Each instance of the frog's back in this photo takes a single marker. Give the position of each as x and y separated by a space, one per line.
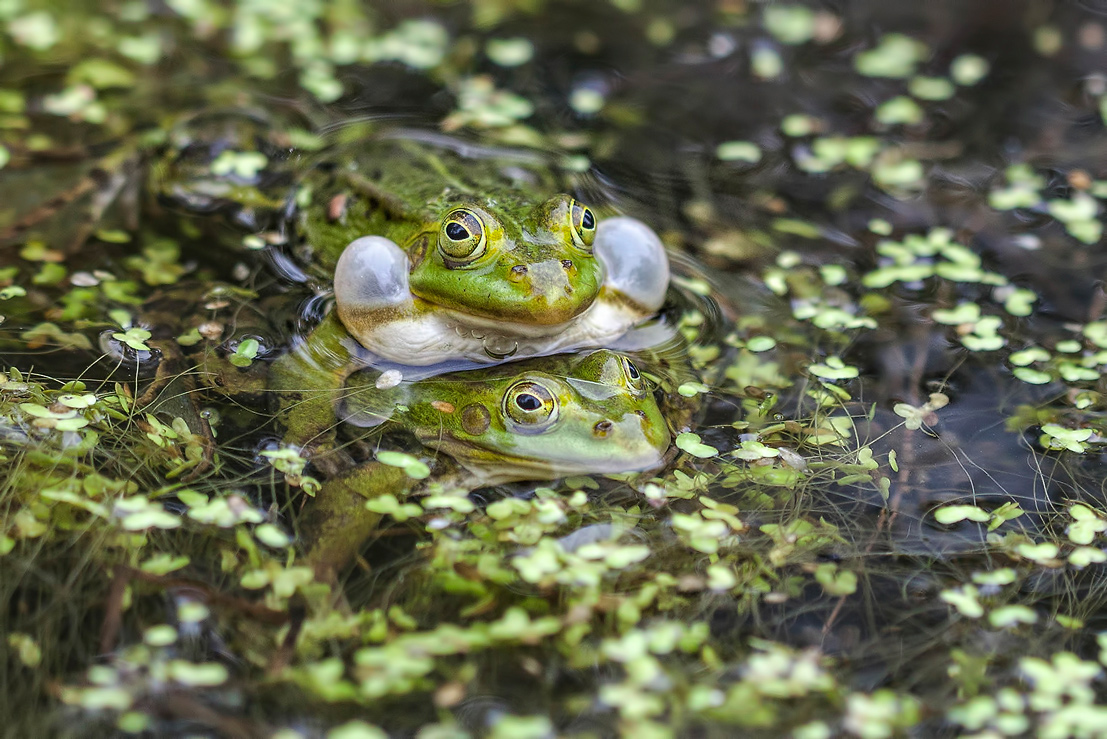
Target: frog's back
427 171
401 183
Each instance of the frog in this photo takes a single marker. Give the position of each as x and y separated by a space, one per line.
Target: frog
441 251
591 412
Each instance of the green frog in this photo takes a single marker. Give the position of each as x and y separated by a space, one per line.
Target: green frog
539 419
444 251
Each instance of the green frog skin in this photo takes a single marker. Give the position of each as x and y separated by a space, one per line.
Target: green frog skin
534 420
443 251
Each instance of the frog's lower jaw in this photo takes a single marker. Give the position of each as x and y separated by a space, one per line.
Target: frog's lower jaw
374 301
487 472
420 334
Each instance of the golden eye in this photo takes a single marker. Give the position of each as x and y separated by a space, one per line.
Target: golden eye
583 221
462 235
530 405
633 376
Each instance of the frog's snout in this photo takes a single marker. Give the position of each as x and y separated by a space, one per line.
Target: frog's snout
548 280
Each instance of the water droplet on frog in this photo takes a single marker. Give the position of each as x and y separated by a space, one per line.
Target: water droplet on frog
467 333
499 347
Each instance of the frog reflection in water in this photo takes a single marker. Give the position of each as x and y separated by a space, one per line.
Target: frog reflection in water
533 420
442 251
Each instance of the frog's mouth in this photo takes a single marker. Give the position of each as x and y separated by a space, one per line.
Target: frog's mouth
421 333
496 468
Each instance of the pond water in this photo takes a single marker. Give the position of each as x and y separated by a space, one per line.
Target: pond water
879 510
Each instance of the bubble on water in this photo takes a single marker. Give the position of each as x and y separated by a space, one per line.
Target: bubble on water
389 378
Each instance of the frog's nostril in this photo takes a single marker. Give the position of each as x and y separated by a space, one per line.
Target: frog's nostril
602 429
518 272
567 264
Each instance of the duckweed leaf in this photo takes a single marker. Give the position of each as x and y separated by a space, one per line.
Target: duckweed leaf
272 536
208 674
752 450
690 443
882 714
36 30
1085 526
720 578
1014 196
963 313
964 599
163 564
931 88
790 24
1028 356
761 344
1059 437
1044 553
511 52
898 172
135 338
1002 576
161 635
899 110
834 581
738 151
1080 208
896 55
412 467
692 389
1031 376
245 165
244 353
797 125
1010 616
1020 301
968 69
25 648
834 369
388 504
951 514
1082 557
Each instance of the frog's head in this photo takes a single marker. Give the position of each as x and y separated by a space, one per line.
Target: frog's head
547 418
505 260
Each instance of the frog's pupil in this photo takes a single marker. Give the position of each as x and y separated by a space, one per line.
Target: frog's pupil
633 371
588 221
456 231
528 402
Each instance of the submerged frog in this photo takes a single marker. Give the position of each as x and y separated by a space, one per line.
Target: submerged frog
533 420
442 250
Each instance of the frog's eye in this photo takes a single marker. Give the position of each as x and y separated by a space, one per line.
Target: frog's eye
583 221
462 236
531 406
634 377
